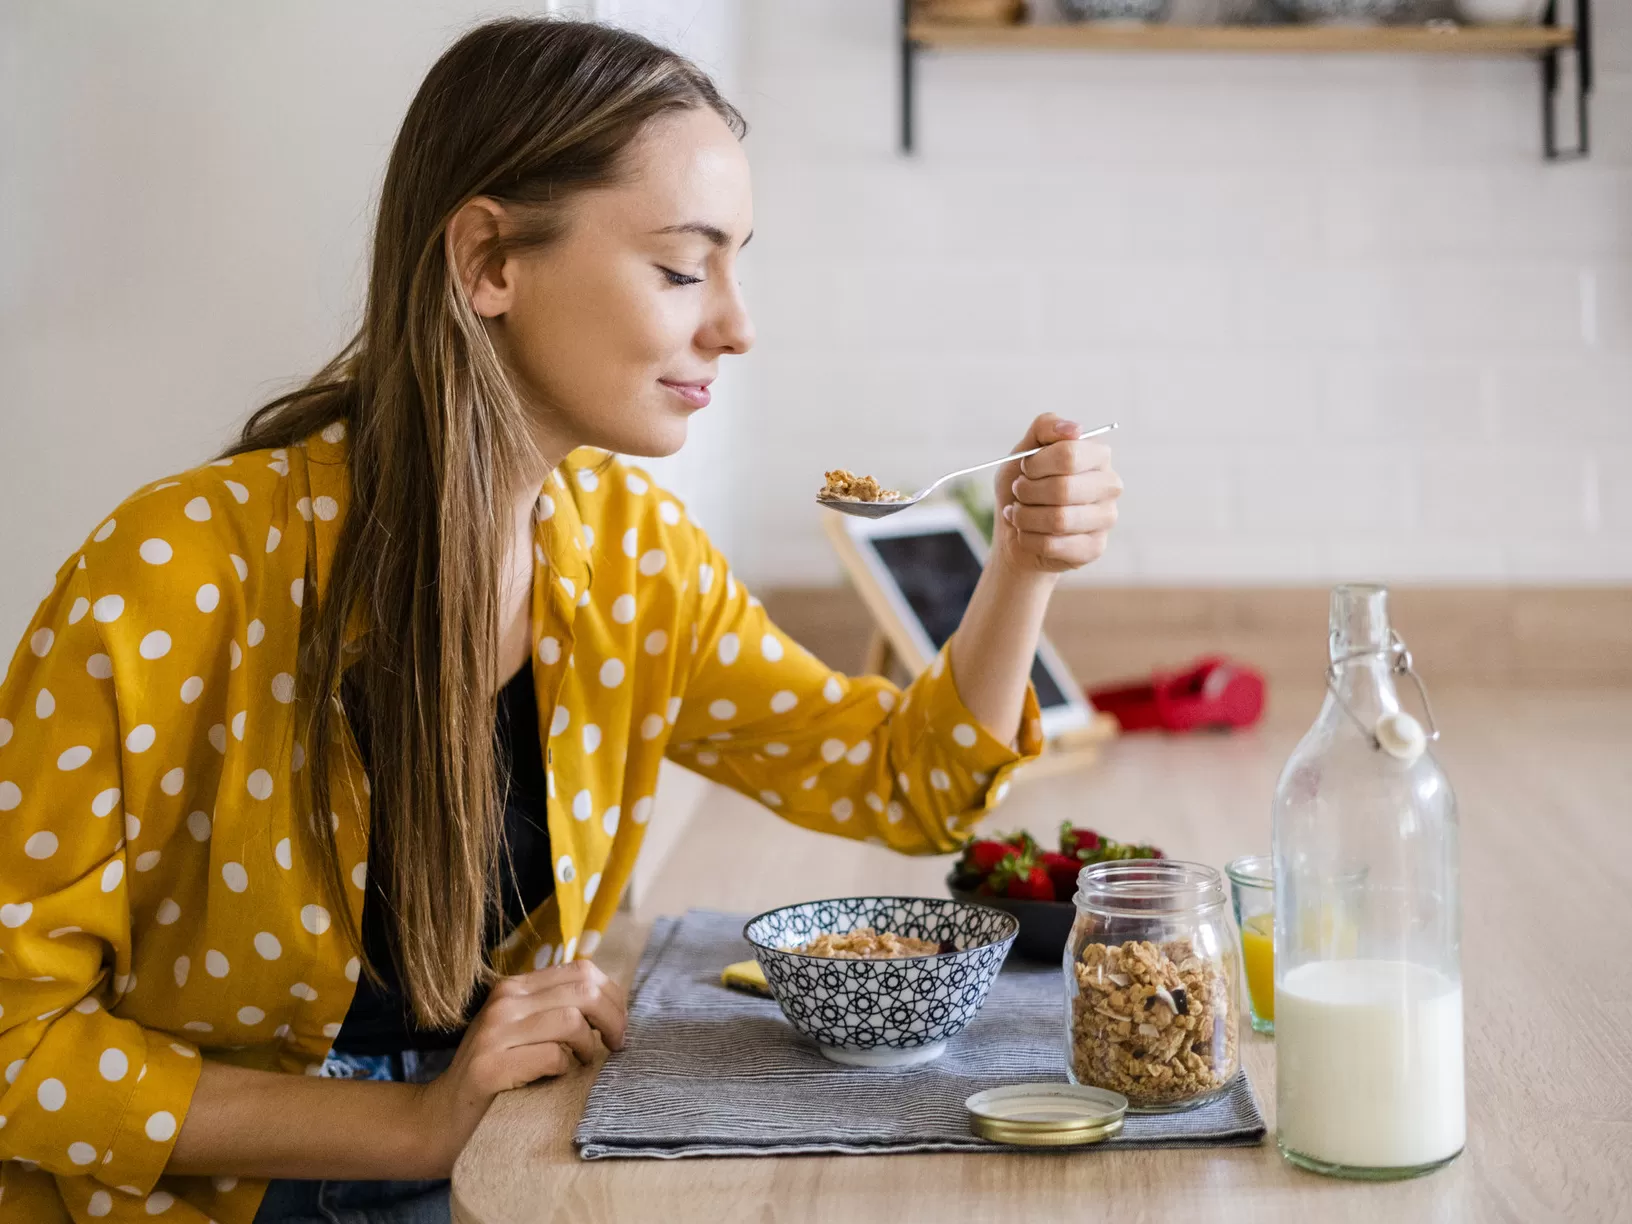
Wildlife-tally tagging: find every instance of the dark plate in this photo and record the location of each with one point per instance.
(1044, 925)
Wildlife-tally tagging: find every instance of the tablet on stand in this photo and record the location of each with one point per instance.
(916, 572)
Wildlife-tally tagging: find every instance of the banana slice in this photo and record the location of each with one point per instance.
(746, 976)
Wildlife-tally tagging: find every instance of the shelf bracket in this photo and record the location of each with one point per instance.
(1583, 84)
(909, 79)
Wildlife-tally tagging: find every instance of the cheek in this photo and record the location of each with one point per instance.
(606, 341)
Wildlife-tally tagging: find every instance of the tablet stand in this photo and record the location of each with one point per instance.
(1074, 750)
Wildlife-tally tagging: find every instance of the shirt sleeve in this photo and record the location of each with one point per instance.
(854, 756)
(87, 1093)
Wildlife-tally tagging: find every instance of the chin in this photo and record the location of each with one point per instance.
(645, 439)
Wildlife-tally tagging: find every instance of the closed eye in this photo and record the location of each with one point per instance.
(679, 278)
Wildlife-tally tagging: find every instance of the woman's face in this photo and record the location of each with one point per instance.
(616, 329)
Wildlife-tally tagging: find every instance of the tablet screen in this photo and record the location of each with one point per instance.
(937, 573)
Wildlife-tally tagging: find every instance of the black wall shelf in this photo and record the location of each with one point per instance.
(1546, 42)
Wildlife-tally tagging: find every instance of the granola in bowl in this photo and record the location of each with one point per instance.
(864, 943)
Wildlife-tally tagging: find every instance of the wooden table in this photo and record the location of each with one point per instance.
(1545, 783)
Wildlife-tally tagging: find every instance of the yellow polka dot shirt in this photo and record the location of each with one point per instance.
(157, 897)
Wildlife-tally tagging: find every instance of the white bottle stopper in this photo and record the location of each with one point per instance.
(1401, 736)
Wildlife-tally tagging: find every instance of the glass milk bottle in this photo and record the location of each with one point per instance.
(1368, 982)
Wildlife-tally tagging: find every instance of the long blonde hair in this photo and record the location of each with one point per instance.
(527, 112)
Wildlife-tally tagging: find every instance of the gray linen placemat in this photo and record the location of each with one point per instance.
(713, 1072)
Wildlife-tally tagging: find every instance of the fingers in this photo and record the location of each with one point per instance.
(580, 987)
(510, 1023)
(1065, 458)
(1061, 502)
(604, 1013)
(536, 1062)
(510, 1054)
(583, 971)
(1047, 428)
(566, 1025)
(1062, 520)
(1081, 488)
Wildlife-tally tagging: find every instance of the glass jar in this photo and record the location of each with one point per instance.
(1151, 983)
(1368, 979)
(1252, 889)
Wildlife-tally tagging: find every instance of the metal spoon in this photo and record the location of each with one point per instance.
(882, 509)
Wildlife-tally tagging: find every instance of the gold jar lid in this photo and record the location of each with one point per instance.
(1046, 1115)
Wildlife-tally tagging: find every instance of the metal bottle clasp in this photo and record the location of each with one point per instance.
(1399, 664)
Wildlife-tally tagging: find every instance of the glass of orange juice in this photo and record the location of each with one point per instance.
(1252, 888)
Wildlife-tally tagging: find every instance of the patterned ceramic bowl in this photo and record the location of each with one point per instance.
(882, 1013)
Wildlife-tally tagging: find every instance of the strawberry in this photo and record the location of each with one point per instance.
(1087, 846)
(1033, 886)
(1062, 872)
(979, 857)
(1024, 842)
(1078, 842)
(1020, 878)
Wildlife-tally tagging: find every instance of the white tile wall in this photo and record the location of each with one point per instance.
(1352, 324)
(185, 198)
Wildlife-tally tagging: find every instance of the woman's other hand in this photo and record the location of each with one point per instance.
(533, 1026)
(1056, 509)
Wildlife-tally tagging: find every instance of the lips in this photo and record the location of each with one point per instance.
(694, 393)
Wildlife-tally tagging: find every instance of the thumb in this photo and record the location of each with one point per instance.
(1048, 428)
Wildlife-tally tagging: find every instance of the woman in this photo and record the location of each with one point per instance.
(333, 756)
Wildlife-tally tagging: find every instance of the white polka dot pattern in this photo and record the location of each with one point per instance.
(140, 671)
(160, 1127)
(113, 1065)
(51, 1094)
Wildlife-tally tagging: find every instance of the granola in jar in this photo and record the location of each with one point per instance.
(1152, 1021)
(1152, 984)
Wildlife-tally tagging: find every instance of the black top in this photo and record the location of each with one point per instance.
(379, 1021)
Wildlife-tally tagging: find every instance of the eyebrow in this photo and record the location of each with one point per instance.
(712, 232)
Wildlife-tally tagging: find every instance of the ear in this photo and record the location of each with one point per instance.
(471, 241)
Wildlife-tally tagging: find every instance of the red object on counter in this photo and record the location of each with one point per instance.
(1211, 694)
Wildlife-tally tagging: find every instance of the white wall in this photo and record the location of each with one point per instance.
(186, 191)
(1351, 322)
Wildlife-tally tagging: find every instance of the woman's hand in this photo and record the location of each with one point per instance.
(533, 1026)
(1055, 509)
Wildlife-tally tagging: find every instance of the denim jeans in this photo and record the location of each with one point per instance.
(290, 1201)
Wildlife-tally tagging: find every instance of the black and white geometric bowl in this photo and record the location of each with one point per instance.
(882, 1013)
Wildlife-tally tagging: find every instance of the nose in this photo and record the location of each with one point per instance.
(729, 329)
